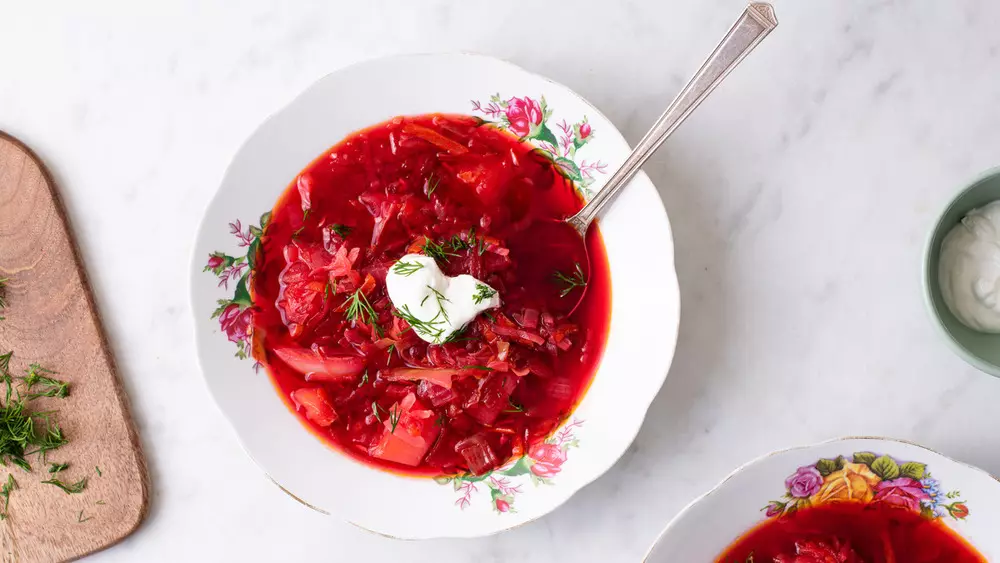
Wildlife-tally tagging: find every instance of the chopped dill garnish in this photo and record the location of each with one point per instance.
(483, 292)
(72, 489)
(51, 387)
(298, 231)
(427, 328)
(98, 469)
(484, 368)
(364, 379)
(81, 519)
(9, 486)
(340, 230)
(3, 292)
(388, 353)
(406, 268)
(424, 300)
(326, 291)
(513, 407)
(432, 184)
(435, 250)
(375, 409)
(359, 309)
(490, 316)
(394, 415)
(57, 467)
(100, 502)
(570, 282)
(440, 301)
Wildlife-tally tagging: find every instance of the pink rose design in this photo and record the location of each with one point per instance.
(547, 458)
(502, 505)
(235, 322)
(774, 509)
(523, 114)
(903, 492)
(585, 130)
(805, 482)
(214, 261)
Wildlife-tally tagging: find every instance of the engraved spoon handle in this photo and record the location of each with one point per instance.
(750, 29)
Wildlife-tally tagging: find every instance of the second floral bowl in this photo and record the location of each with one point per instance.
(870, 470)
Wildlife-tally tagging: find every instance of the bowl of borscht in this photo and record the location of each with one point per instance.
(378, 319)
(853, 500)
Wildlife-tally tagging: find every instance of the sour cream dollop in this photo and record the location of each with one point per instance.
(969, 269)
(436, 305)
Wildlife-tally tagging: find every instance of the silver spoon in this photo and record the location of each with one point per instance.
(750, 29)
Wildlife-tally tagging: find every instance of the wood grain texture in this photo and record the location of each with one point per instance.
(51, 319)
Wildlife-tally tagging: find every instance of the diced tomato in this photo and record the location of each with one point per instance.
(318, 366)
(409, 432)
(316, 405)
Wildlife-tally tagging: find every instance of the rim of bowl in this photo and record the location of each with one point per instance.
(929, 270)
(687, 508)
(602, 470)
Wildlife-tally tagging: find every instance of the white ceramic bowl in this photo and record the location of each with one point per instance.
(645, 300)
(965, 498)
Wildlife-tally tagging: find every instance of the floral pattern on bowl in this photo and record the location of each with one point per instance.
(564, 128)
(880, 470)
(870, 478)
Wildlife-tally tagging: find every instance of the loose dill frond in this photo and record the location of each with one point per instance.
(394, 414)
(57, 467)
(69, 489)
(406, 268)
(50, 387)
(435, 250)
(431, 328)
(570, 282)
(483, 292)
(5, 491)
(340, 230)
(359, 309)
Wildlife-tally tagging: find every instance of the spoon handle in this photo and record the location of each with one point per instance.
(756, 22)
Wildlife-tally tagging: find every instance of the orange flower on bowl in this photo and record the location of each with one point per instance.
(855, 482)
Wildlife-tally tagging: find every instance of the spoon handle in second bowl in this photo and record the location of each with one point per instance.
(750, 29)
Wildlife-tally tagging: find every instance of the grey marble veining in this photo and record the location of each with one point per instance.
(800, 196)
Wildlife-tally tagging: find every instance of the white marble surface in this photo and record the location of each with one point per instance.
(800, 195)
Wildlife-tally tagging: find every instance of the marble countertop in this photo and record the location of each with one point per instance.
(800, 195)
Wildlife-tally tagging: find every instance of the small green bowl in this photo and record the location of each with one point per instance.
(978, 348)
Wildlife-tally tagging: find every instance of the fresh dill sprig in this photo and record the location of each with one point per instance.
(483, 292)
(513, 407)
(483, 368)
(375, 409)
(388, 353)
(427, 328)
(406, 268)
(3, 292)
(69, 489)
(5, 491)
(340, 230)
(440, 301)
(432, 184)
(101, 502)
(359, 309)
(57, 467)
(81, 519)
(98, 470)
(51, 387)
(364, 379)
(394, 413)
(298, 231)
(435, 250)
(570, 282)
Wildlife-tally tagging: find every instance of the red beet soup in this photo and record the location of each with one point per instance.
(352, 369)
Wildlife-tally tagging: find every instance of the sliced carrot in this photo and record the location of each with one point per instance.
(434, 138)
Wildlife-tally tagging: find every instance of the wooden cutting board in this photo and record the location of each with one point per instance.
(51, 319)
